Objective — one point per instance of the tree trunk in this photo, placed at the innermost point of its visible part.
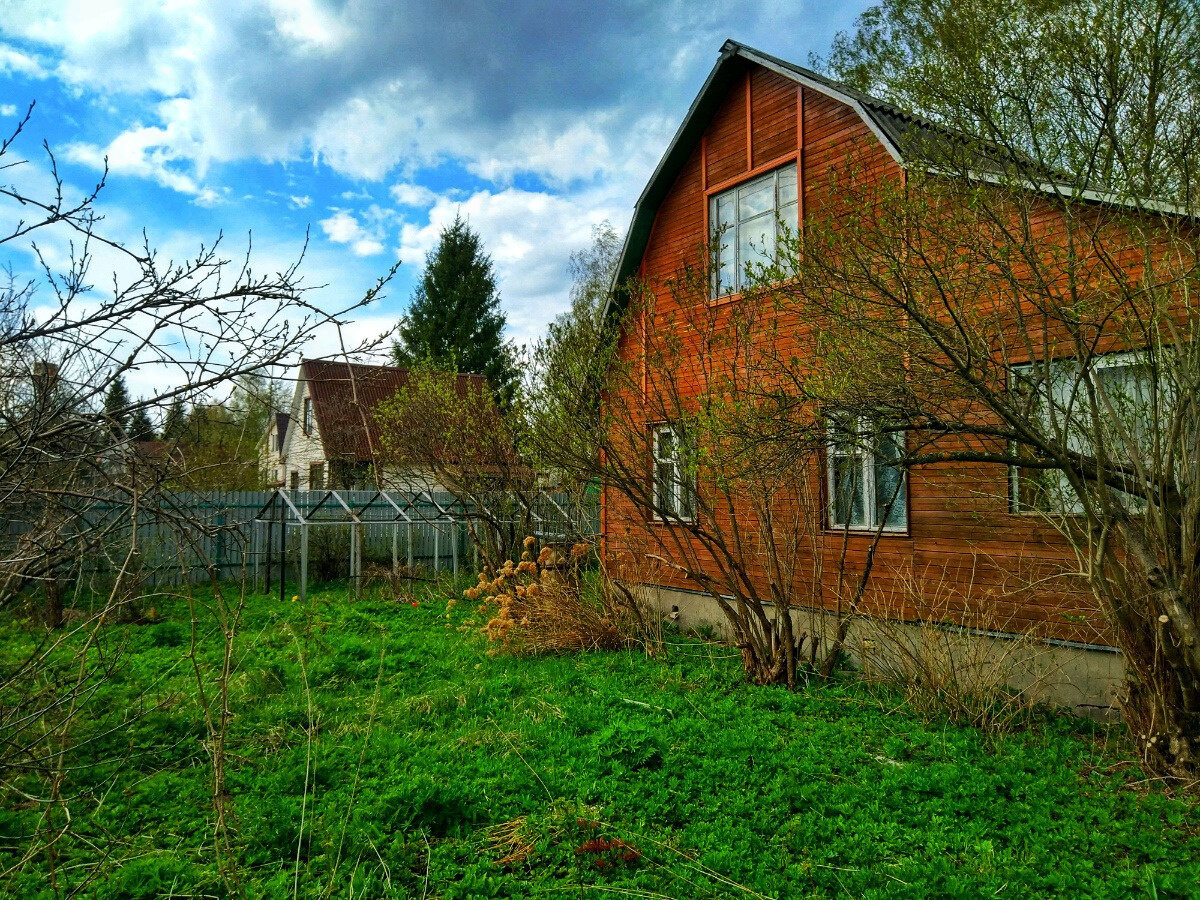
(52, 613)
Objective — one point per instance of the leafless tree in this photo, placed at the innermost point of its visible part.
(73, 488)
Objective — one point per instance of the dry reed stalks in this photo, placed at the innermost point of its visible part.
(952, 655)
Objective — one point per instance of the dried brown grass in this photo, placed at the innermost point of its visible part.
(544, 604)
(958, 659)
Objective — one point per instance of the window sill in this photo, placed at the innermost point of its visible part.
(867, 531)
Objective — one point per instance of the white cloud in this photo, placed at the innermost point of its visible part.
(14, 60)
(7, 109)
(362, 87)
(343, 228)
(168, 155)
(530, 236)
(300, 202)
(414, 195)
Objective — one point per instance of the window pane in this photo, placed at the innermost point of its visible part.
(687, 501)
(664, 447)
(725, 267)
(847, 491)
(756, 242)
(724, 217)
(789, 217)
(787, 186)
(889, 482)
(756, 198)
(664, 478)
(1125, 393)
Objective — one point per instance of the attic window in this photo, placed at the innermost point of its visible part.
(746, 223)
(308, 417)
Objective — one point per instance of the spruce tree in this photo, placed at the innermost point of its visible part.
(455, 320)
(116, 404)
(140, 426)
(175, 424)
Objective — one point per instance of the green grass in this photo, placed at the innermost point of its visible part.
(415, 762)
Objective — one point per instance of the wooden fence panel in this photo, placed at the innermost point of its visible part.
(183, 536)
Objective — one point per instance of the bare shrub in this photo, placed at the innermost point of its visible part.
(949, 661)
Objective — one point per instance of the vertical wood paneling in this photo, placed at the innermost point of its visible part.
(727, 151)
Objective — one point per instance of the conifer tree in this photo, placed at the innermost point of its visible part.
(140, 427)
(455, 321)
(116, 404)
(175, 424)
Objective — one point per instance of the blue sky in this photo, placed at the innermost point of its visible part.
(371, 123)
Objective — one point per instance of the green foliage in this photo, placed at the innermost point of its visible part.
(455, 320)
(175, 422)
(1102, 91)
(417, 765)
(572, 365)
(140, 426)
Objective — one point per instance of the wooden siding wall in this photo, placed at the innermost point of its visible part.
(962, 541)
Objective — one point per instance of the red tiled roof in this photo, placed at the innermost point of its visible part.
(344, 396)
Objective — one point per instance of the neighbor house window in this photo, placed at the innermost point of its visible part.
(1122, 419)
(674, 482)
(865, 480)
(746, 223)
(316, 476)
(308, 415)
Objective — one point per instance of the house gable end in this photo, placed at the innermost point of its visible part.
(754, 119)
(715, 111)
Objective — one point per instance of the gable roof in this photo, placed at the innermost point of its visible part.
(892, 126)
(344, 396)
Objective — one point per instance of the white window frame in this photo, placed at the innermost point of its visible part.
(307, 415)
(727, 235)
(867, 458)
(1120, 359)
(679, 503)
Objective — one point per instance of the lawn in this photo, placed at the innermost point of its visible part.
(376, 749)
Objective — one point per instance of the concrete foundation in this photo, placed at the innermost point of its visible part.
(1080, 678)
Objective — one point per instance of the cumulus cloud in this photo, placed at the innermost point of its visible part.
(366, 87)
(343, 228)
(170, 155)
(413, 195)
(534, 121)
(530, 237)
(14, 60)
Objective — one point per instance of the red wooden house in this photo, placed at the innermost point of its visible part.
(763, 147)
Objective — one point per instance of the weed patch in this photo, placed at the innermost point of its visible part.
(414, 764)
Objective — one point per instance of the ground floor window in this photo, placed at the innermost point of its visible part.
(350, 475)
(674, 479)
(1113, 405)
(316, 476)
(866, 484)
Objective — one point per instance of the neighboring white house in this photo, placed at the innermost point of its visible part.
(328, 438)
